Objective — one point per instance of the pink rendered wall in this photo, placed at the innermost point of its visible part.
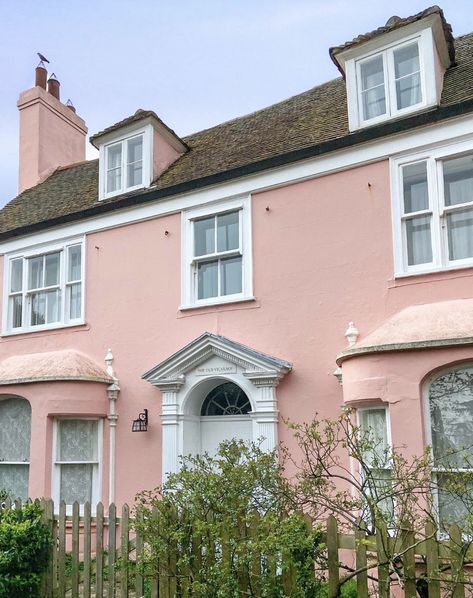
(51, 135)
(163, 154)
(322, 256)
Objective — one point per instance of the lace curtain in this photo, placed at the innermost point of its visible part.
(77, 457)
(15, 433)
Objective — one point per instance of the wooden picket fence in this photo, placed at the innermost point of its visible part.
(98, 556)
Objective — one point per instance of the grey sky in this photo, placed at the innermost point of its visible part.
(196, 63)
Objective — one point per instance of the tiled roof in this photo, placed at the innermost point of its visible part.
(396, 23)
(304, 125)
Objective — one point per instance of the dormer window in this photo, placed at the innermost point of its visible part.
(134, 152)
(395, 70)
(124, 165)
(389, 83)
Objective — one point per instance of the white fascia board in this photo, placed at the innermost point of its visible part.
(458, 129)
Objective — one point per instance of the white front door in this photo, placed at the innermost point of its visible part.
(216, 429)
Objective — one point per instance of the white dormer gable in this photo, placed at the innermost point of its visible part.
(396, 70)
(134, 152)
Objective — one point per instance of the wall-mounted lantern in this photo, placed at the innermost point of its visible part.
(141, 424)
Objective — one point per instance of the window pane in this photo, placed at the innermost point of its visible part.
(408, 91)
(416, 192)
(372, 73)
(75, 301)
(204, 236)
(455, 497)
(74, 263)
(460, 234)
(35, 272)
(78, 440)
(53, 306)
(406, 60)
(135, 150)
(373, 422)
(135, 174)
(207, 274)
(38, 309)
(16, 306)
(14, 479)
(451, 415)
(372, 85)
(458, 180)
(228, 227)
(16, 283)
(76, 483)
(419, 242)
(52, 269)
(114, 156)
(114, 180)
(15, 430)
(230, 276)
(226, 399)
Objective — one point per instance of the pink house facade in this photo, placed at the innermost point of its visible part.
(311, 255)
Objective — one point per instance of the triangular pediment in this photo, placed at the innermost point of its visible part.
(204, 349)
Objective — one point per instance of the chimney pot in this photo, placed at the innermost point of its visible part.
(53, 86)
(41, 76)
(70, 105)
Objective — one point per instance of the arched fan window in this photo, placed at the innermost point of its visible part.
(226, 399)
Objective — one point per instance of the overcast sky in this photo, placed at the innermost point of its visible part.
(195, 62)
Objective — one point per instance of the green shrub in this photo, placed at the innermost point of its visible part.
(24, 551)
(238, 507)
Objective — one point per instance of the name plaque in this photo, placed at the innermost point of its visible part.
(215, 370)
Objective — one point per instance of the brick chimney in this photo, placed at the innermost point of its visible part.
(51, 133)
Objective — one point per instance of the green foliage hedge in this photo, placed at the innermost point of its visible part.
(24, 551)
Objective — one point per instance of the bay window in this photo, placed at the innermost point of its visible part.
(450, 429)
(45, 289)
(433, 208)
(217, 250)
(77, 456)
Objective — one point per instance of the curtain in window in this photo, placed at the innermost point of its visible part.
(78, 457)
(15, 433)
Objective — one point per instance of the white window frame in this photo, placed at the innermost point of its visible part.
(56, 465)
(428, 83)
(434, 158)
(376, 407)
(41, 250)
(188, 267)
(146, 133)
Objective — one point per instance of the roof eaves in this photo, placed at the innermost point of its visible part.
(385, 129)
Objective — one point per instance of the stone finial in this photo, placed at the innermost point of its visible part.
(351, 334)
(109, 362)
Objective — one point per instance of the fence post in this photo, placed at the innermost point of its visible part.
(456, 561)
(61, 561)
(112, 548)
(124, 551)
(332, 556)
(382, 547)
(407, 546)
(75, 550)
(99, 552)
(361, 560)
(87, 551)
(432, 554)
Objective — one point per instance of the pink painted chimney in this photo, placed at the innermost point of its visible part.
(51, 133)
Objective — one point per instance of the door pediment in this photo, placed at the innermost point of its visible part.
(214, 355)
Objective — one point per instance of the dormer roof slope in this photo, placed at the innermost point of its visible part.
(393, 24)
(306, 125)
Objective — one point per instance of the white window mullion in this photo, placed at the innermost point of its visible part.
(436, 193)
(389, 82)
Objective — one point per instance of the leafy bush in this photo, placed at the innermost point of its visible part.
(226, 522)
(24, 544)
